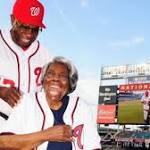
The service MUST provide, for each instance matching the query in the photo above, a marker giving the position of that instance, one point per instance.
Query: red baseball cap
(29, 12)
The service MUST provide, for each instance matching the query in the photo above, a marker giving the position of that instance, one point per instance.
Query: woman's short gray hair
(73, 73)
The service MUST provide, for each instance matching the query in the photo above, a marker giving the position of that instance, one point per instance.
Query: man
(146, 106)
(21, 55)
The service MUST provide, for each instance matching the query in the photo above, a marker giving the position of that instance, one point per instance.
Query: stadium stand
(125, 138)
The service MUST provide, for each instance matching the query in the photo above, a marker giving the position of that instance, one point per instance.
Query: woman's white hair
(73, 73)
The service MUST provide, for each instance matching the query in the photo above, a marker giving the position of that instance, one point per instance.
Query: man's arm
(58, 133)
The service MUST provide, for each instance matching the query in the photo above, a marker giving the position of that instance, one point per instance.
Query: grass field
(130, 112)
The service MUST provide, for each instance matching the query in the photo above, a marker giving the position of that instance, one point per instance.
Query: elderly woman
(53, 106)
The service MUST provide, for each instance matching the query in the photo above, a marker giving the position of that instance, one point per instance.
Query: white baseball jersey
(19, 68)
(34, 114)
(146, 101)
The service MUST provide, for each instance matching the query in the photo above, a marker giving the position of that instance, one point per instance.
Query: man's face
(146, 94)
(24, 35)
(56, 81)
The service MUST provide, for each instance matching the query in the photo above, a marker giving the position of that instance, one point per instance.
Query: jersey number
(77, 132)
(38, 72)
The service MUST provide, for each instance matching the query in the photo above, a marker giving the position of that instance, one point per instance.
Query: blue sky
(93, 33)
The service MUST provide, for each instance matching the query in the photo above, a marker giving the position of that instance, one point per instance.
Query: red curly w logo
(35, 11)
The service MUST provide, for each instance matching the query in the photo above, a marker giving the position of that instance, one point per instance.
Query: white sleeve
(5, 108)
(142, 98)
(18, 121)
(91, 137)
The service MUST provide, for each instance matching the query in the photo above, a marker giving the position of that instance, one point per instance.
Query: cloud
(84, 3)
(88, 89)
(127, 43)
(63, 15)
(138, 40)
(65, 18)
(120, 44)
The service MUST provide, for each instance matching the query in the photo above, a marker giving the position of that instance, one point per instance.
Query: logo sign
(108, 94)
(35, 11)
(134, 87)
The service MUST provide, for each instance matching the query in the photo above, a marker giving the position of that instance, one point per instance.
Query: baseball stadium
(124, 103)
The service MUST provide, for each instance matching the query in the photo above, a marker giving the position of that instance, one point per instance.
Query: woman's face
(56, 81)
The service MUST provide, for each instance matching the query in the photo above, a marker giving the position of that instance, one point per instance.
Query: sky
(93, 33)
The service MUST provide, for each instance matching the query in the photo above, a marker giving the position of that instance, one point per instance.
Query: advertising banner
(108, 94)
(106, 114)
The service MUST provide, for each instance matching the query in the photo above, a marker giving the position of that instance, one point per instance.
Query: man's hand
(10, 95)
